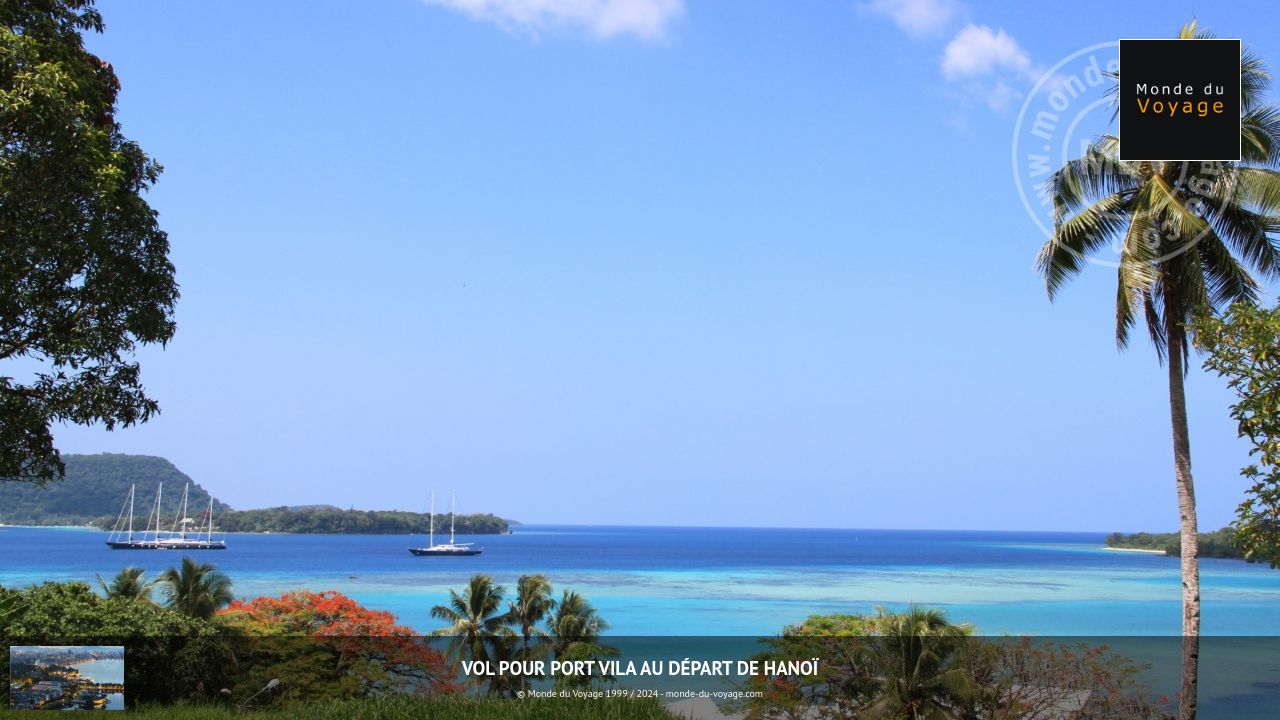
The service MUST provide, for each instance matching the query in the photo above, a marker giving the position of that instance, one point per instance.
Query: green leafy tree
(324, 646)
(1189, 234)
(171, 656)
(129, 585)
(1243, 346)
(917, 664)
(196, 589)
(85, 276)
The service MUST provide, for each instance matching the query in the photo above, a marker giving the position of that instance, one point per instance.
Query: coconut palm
(128, 584)
(532, 605)
(475, 623)
(913, 661)
(574, 621)
(196, 589)
(1191, 236)
(574, 628)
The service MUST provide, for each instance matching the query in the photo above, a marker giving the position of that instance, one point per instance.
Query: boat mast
(181, 514)
(159, 493)
(453, 502)
(132, 488)
(431, 520)
(210, 537)
(183, 522)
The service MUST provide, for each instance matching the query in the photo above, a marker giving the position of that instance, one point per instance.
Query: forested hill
(97, 485)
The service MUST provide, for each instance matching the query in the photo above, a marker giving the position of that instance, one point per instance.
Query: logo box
(1179, 100)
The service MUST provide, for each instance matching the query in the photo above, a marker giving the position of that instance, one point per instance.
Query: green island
(1217, 544)
(95, 487)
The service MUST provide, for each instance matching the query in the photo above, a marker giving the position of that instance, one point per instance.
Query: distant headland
(1217, 544)
(96, 485)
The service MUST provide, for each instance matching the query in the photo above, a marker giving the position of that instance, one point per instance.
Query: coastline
(1137, 550)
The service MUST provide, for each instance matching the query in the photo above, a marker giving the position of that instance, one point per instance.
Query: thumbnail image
(66, 677)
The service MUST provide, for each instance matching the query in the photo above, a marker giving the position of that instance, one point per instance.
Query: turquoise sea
(725, 581)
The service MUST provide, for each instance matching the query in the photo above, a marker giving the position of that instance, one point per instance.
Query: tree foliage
(85, 276)
(128, 584)
(478, 630)
(171, 656)
(96, 485)
(195, 589)
(335, 520)
(1243, 346)
(1216, 544)
(916, 664)
(327, 646)
(95, 488)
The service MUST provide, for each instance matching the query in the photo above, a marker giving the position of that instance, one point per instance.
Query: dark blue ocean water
(725, 581)
(730, 581)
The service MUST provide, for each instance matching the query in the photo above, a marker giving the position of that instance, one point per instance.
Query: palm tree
(532, 605)
(197, 589)
(574, 629)
(575, 620)
(475, 624)
(128, 584)
(1189, 233)
(912, 659)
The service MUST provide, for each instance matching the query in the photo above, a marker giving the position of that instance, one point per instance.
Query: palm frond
(1260, 135)
(1062, 257)
(1254, 80)
(1224, 279)
(1135, 275)
(1098, 173)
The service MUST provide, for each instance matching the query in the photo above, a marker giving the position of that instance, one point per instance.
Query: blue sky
(640, 261)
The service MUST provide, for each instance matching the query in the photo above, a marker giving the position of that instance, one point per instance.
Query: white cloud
(646, 19)
(978, 50)
(988, 65)
(917, 17)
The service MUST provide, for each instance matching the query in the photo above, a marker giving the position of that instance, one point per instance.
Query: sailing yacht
(180, 536)
(451, 548)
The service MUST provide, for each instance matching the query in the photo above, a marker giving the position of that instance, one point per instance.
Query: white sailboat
(179, 537)
(451, 548)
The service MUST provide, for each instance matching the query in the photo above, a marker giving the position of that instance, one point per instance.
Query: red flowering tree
(326, 645)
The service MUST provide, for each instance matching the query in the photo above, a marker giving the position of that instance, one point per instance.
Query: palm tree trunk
(1186, 509)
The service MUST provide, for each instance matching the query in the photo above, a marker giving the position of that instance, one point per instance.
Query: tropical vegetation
(195, 589)
(1243, 346)
(482, 627)
(128, 584)
(172, 656)
(200, 646)
(94, 490)
(1222, 543)
(327, 646)
(84, 265)
(1193, 236)
(96, 485)
(916, 664)
(453, 707)
(326, 519)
